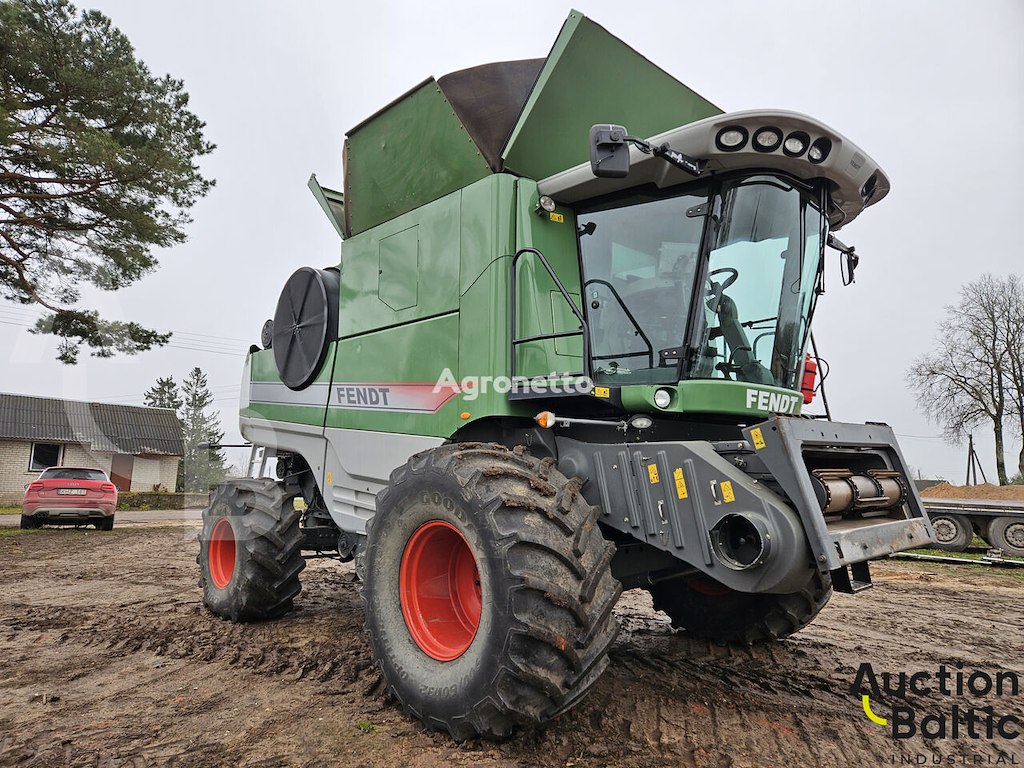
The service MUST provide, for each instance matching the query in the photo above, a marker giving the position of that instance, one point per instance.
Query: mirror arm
(852, 259)
(609, 153)
(691, 165)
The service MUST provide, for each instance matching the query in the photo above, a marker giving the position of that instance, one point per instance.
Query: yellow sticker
(727, 492)
(328, 478)
(652, 473)
(558, 218)
(602, 392)
(680, 483)
(755, 433)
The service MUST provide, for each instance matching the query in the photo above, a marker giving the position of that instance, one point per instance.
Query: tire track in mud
(147, 677)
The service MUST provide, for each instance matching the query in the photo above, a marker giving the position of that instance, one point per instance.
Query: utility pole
(973, 464)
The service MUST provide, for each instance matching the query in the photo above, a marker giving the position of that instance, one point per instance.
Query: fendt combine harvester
(535, 380)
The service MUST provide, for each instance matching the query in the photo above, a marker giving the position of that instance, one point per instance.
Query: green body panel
(726, 397)
(263, 370)
(488, 242)
(411, 152)
(592, 77)
(262, 366)
(542, 308)
(404, 270)
(487, 228)
(399, 269)
(414, 353)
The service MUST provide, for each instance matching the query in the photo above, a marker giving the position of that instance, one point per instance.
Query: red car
(70, 496)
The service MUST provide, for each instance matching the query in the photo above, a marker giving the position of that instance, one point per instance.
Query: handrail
(583, 331)
(629, 315)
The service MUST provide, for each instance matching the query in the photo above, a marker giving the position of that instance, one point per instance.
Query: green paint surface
(725, 397)
(592, 77)
(412, 353)
(542, 308)
(412, 152)
(413, 258)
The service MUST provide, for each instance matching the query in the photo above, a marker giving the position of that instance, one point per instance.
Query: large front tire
(711, 611)
(250, 552)
(488, 590)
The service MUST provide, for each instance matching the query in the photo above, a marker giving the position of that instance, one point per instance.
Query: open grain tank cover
(530, 118)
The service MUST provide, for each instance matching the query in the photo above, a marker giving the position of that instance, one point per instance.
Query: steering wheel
(732, 278)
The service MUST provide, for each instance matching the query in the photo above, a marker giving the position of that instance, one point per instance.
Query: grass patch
(10, 510)
(10, 533)
(366, 726)
(962, 555)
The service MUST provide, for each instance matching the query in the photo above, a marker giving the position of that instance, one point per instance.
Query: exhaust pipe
(742, 541)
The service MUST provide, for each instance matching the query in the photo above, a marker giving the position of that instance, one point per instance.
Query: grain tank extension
(564, 353)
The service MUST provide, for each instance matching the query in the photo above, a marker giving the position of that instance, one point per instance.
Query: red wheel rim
(439, 585)
(222, 553)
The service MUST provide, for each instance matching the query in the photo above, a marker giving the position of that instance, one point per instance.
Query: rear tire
(1007, 533)
(106, 524)
(535, 637)
(708, 610)
(29, 523)
(953, 533)
(250, 552)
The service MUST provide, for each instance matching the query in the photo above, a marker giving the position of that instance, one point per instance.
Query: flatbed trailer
(999, 522)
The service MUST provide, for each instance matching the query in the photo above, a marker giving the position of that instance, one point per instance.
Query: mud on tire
(709, 610)
(250, 552)
(545, 585)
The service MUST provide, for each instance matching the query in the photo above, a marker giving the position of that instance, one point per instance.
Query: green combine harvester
(560, 359)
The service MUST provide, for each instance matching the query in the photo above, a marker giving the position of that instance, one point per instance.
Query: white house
(138, 447)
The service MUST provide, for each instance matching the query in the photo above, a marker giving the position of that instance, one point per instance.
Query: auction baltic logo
(952, 721)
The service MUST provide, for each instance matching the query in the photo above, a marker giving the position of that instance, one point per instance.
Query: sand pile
(983, 491)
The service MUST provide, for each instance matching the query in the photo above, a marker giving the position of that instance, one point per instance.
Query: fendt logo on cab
(774, 402)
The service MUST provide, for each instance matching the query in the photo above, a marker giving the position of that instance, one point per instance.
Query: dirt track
(109, 660)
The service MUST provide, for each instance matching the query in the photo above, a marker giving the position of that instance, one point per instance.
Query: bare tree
(1012, 329)
(971, 378)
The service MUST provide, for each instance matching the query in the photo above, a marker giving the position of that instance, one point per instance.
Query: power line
(16, 312)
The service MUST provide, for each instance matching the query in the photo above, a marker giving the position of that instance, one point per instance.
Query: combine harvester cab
(559, 359)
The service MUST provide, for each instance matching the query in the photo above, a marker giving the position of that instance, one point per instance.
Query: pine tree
(164, 394)
(98, 168)
(201, 468)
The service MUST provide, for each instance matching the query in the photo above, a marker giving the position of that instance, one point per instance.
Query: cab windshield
(664, 296)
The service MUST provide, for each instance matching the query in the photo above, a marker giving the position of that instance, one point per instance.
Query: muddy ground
(108, 660)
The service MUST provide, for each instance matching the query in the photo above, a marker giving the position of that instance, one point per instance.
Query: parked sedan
(70, 496)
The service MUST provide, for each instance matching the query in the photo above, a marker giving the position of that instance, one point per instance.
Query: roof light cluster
(769, 138)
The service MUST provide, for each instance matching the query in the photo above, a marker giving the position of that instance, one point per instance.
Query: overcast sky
(934, 91)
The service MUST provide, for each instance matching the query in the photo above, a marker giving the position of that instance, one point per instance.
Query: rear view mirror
(609, 152)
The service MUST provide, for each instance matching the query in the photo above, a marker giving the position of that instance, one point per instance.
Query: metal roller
(840, 491)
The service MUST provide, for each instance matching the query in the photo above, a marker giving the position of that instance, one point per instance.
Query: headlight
(795, 144)
(869, 187)
(731, 138)
(767, 139)
(545, 203)
(819, 149)
(663, 398)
